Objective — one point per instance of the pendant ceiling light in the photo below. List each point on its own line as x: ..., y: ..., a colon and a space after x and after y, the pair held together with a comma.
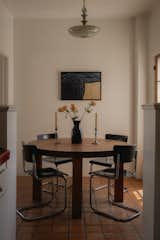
x: 84, y: 30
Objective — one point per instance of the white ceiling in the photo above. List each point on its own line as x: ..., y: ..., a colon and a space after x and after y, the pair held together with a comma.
x: 72, y: 8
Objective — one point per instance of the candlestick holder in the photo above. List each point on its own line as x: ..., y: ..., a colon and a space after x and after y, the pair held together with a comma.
x: 56, y: 136
x: 95, y: 137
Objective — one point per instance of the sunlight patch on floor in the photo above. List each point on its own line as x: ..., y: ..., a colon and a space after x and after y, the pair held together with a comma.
x: 138, y: 194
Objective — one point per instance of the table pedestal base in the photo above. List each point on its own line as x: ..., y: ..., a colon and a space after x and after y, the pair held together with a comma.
x: 77, y: 188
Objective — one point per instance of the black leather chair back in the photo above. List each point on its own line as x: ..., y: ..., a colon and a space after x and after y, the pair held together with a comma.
x: 116, y: 137
x: 28, y: 151
x: 127, y: 153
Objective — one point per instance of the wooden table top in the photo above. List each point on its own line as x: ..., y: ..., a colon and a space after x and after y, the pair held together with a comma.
x: 63, y: 147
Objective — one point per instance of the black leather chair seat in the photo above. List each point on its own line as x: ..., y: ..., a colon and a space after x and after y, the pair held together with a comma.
x: 101, y: 162
x: 109, y: 173
x: 49, y: 172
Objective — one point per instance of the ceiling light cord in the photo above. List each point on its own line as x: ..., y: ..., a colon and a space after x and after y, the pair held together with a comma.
x: 84, y: 4
x: 84, y: 14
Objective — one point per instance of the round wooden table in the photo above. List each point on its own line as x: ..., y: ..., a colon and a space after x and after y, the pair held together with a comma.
x: 87, y: 149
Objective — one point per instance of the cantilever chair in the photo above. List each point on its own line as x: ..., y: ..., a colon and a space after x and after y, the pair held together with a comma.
x: 29, y: 157
x: 108, y: 161
x: 56, y: 160
x: 122, y: 154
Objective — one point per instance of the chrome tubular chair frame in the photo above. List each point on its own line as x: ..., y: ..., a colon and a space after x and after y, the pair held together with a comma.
x: 29, y: 155
x: 112, y: 174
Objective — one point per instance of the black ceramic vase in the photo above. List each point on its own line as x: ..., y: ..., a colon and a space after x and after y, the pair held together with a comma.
x: 76, y: 133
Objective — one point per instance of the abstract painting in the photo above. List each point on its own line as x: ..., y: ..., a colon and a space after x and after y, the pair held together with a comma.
x: 80, y: 85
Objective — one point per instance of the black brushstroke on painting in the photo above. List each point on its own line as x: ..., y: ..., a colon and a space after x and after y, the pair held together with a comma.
x: 72, y: 84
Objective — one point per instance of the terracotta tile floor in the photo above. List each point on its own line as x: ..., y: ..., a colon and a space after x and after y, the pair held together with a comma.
x: 90, y: 227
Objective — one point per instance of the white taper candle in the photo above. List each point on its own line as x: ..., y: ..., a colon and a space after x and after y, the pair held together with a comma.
x: 96, y: 120
x: 55, y: 120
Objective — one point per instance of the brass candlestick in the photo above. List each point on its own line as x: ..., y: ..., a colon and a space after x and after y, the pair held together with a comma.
x: 56, y: 136
x: 95, y: 137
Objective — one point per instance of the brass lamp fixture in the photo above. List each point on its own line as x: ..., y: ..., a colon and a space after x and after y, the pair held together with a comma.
x: 84, y: 30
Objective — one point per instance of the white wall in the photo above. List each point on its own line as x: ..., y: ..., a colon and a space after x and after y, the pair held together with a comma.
x: 6, y: 46
x: 8, y: 178
x: 149, y: 170
x: 140, y: 80
x: 8, y: 184
x: 154, y: 48
x: 43, y: 48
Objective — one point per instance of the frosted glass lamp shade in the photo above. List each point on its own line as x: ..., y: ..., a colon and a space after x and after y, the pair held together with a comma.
x: 83, y: 31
